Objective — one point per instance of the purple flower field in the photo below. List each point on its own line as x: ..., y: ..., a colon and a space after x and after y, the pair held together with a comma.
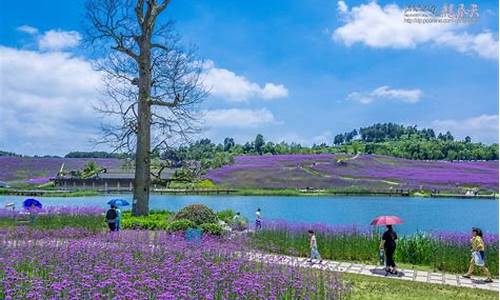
x: 370, y: 172
x: 150, y: 265
x: 38, y: 170
x: 55, y: 211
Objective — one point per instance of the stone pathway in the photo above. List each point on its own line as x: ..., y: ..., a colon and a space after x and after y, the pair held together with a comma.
x: 378, y: 271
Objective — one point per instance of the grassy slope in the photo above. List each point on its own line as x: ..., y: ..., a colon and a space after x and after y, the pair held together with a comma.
x: 372, y: 288
x: 367, y: 173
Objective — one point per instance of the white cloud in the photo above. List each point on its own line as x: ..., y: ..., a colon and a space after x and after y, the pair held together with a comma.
x: 324, y: 137
x: 28, y: 29
x: 46, y: 100
x: 342, y: 7
x: 483, y: 44
x: 53, y: 40
x: 240, y: 118
x: 58, y: 40
x: 481, y: 128
x: 232, y: 87
x: 384, y: 27
x: 385, y: 92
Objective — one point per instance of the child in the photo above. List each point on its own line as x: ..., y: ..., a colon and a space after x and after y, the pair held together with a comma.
x: 258, y: 220
x: 237, y: 222
x: 118, y: 218
x: 314, y: 247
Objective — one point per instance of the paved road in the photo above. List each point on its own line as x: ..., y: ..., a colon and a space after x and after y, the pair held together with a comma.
x: 372, y: 270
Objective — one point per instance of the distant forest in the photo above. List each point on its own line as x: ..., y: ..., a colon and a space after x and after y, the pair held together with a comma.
x: 381, y: 138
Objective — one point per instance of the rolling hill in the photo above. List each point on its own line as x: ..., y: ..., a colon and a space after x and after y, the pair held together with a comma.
x: 363, y: 172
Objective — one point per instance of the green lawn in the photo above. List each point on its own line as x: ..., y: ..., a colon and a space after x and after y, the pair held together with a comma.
x: 372, y: 288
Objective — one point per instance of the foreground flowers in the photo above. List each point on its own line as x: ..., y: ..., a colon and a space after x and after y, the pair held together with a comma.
x: 147, y: 265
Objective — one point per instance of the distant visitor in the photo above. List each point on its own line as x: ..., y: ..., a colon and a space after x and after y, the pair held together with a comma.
x: 314, y: 247
x: 258, y: 220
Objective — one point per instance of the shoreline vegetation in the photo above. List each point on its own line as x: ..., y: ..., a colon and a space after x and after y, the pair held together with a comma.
x: 439, y: 251
x: 55, y: 228
x: 249, y: 192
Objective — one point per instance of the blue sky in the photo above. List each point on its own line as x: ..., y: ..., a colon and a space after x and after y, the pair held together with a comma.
x: 292, y: 70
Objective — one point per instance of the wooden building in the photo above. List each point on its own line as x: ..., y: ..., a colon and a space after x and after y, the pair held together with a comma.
x: 104, y: 182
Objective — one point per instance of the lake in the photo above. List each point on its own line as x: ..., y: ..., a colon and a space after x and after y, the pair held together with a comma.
x: 423, y: 214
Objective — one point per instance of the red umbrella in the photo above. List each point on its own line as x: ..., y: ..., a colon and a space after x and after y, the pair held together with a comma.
x: 386, y: 220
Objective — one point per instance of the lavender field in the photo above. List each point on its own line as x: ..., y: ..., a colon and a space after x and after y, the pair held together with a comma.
x: 38, y: 170
x: 366, y: 172
x: 148, y: 265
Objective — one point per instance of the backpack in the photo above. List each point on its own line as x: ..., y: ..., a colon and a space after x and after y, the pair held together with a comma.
x: 111, y: 214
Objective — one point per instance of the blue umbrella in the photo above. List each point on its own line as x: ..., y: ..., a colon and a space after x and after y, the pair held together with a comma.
x: 32, y: 202
x: 118, y: 202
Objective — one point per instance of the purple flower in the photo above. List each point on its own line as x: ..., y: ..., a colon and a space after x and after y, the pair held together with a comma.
x: 148, y: 265
x: 367, y: 171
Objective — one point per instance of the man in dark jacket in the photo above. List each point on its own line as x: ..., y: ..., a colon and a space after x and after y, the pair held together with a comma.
x: 111, y: 216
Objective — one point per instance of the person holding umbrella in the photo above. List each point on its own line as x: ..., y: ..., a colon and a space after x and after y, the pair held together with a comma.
x: 32, y: 206
x: 116, y: 203
x: 111, y: 216
x: 388, y: 242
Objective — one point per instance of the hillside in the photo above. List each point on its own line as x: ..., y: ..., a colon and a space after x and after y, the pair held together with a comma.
x: 366, y: 172
x: 39, y: 169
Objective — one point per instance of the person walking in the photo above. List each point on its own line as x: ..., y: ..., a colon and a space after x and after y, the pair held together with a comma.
x: 388, y: 244
x: 314, y: 247
x: 118, y: 218
x: 111, y: 217
x: 258, y: 220
x: 478, y: 258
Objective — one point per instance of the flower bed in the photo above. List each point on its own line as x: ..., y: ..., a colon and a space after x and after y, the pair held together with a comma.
x: 150, y: 265
x: 55, y: 217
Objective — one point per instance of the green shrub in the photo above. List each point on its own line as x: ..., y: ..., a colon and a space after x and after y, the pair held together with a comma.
x: 226, y: 215
x: 143, y: 223
x: 213, y: 229
x: 156, y: 220
x: 197, y: 213
x: 180, y: 225
x: 205, y: 184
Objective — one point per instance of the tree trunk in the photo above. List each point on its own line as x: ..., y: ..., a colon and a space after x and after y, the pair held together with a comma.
x: 140, y: 205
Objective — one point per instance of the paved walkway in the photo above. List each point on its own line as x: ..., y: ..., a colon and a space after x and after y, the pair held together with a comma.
x: 377, y: 271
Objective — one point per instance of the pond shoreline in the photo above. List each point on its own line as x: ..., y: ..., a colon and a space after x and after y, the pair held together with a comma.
x: 245, y: 192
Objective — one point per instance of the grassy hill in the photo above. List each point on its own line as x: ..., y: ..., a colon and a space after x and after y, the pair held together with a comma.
x: 38, y: 170
x: 363, y: 172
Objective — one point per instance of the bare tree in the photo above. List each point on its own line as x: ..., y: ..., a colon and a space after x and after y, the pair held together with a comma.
x: 151, y: 83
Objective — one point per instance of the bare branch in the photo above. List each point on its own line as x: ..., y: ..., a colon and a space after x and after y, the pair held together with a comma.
x: 125, y: 50
x: 176, y: 85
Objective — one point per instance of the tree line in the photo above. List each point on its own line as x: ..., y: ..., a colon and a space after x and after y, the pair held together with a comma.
x: 381, y: 138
